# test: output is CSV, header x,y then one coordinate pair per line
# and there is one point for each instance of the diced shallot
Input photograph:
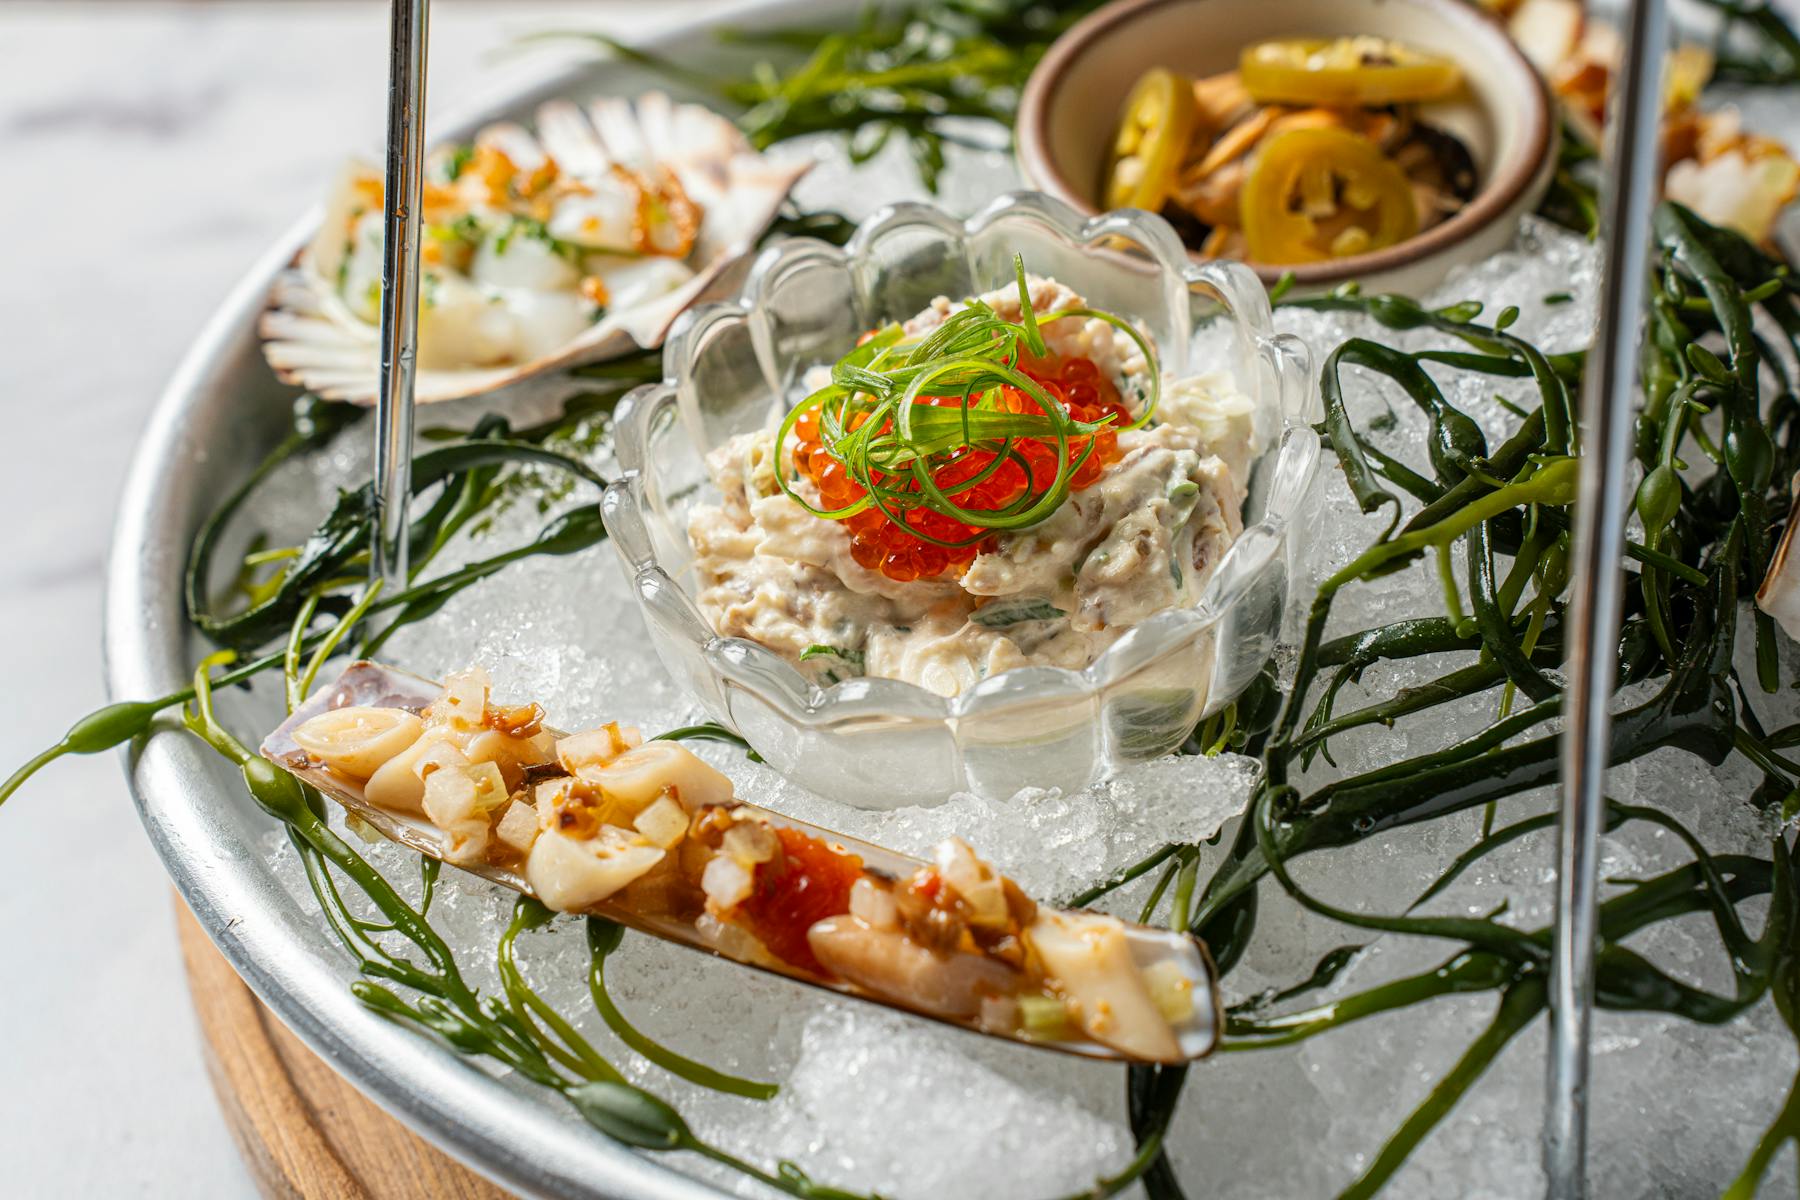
x,y
518,827
750,843
874,905
595,748
977,883
664,823
464,702
726,882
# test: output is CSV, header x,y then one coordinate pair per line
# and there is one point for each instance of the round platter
x,y
222,409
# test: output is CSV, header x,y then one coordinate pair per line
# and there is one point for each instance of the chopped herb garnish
x,y
457,161
853,657
1001,613
537,231
468,228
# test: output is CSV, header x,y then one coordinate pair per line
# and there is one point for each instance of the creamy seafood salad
x,y
932,593
646,833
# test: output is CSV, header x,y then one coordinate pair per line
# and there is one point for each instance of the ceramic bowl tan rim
x,y
1510,179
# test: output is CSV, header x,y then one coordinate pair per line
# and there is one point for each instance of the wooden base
x,y
303,1130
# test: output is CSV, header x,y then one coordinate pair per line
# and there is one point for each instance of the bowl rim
x,y
1513,179
1293,453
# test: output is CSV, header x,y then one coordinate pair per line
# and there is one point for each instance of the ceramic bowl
x,y
884,743
1070,108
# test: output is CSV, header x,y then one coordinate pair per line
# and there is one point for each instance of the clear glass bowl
x,y
883,743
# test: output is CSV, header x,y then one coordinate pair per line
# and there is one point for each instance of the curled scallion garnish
x,y
958,434
1034,337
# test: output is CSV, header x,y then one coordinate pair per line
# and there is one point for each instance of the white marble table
x,y
150,151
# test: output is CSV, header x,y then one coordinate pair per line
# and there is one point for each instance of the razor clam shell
x,y
312,339
368,683
1779,595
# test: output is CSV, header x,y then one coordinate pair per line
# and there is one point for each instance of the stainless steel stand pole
x,y
1597,555
399,290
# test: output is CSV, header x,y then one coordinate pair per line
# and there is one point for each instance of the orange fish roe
x,y
894,548
807,883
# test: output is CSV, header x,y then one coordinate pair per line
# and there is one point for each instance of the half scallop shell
x,y
375,685
312,337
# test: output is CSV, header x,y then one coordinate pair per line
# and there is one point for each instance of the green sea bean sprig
x,y
1710,519
922,75
475,472
1755,44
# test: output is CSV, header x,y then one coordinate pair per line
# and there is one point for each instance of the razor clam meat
x,y
648,834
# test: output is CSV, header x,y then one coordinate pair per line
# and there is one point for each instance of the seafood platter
x,y
986,611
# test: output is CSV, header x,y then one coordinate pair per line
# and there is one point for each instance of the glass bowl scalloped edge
x,y
885,743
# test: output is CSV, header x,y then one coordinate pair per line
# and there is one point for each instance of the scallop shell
x,y
313,339
1779,595
368,683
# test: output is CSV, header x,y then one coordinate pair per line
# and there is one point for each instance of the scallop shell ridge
x,y
313,339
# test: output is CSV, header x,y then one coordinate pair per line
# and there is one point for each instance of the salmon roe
x,y
895,548
808,882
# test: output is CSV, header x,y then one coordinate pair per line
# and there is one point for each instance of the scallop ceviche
x,y
586,237
1006,481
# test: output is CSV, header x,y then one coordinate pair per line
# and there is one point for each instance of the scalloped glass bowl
x,y
884,743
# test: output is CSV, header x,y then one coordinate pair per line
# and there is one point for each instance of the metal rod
x,y
399,289
1597,555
